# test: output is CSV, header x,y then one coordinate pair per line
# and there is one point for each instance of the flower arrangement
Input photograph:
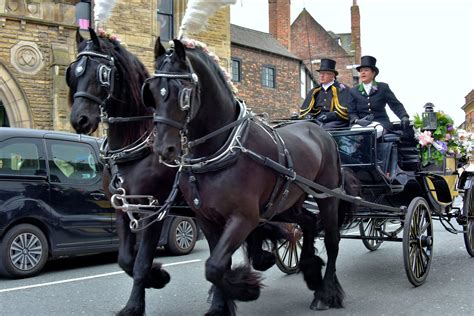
x,y
443,142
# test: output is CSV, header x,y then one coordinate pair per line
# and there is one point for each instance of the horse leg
x,y
331,293
261,259
146,274
127,239
238,284
219,305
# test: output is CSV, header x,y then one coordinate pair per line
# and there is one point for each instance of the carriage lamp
x,y
429,118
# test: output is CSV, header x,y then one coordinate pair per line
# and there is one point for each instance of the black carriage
x,y
398,200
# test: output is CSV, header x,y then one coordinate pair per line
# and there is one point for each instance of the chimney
x,y
355,31
279,21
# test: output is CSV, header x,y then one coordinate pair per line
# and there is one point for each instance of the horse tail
x,y
351,186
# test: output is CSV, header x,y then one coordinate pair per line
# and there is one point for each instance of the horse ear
x,y
94,38
179,49
79,38
159,49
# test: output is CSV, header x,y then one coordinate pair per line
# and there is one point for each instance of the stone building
x,y
37,43
468,109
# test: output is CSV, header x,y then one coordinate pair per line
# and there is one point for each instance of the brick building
x,y
284,52
37,43
269,78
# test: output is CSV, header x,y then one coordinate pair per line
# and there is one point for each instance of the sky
x,y
424,48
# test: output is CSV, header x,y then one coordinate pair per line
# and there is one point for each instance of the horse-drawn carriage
x,y
235,172
407,198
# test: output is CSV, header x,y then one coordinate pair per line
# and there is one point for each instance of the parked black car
x,y
52,203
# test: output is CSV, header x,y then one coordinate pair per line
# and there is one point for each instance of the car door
x,y
84,215
24,189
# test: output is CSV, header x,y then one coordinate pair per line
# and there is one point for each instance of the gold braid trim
x,y
304,112
340,110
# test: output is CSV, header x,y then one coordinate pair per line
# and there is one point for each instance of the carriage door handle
x,y
98,196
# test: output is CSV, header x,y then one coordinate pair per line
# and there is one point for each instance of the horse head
x,y
190,97
104,81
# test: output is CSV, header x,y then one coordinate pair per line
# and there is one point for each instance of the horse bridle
x,y
185,94
105,76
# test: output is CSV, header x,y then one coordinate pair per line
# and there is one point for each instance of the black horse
x,y
105,83
228,179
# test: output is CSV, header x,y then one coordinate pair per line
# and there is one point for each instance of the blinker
x,y
81,67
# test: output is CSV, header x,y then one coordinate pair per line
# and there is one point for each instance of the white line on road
x,y
88,277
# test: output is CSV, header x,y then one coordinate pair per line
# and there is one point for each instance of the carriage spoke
x,y
424,228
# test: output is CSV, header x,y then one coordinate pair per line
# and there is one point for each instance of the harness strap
x,y
164,120
203,139
307,184
280,190
89,96
119,119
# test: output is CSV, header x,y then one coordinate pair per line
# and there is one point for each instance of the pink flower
x,y
448,137
425,138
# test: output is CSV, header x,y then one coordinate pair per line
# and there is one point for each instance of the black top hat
x,y
328,65
368,61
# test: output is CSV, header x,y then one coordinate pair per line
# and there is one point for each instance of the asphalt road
x,y
375,284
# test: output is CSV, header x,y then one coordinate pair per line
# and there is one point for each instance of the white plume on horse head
x,y
102,10
198,12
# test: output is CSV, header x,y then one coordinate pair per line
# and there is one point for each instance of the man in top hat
x,y
368,99
327,104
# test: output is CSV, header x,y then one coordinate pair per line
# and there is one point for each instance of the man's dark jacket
x,y
322,105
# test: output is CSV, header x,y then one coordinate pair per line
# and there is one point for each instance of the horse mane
x,y
211,60
128,90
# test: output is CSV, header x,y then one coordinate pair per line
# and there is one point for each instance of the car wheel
x,y
24,251
182,236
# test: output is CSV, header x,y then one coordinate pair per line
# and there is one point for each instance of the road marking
x,y
88,277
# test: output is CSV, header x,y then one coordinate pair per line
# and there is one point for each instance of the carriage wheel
x,y
417,241
288,252
372,228
468,211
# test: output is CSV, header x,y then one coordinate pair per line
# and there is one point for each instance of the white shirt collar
x,y
327,85
367,87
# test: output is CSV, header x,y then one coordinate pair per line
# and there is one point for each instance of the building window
x,y
268,76
165,18
3,116
236,70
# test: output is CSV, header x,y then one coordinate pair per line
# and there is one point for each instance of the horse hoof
x,y
318,305
157,279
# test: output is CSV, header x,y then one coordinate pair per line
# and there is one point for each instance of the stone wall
x,y
135,22
36,45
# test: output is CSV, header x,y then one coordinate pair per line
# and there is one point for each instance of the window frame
x,y
264,79
170,17
239,74
63,178
41,171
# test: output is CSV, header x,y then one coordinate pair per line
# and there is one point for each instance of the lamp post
x,y
429,118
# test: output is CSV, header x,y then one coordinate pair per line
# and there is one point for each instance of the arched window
x,y
3,116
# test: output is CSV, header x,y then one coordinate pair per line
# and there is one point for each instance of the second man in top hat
x,y
327,103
